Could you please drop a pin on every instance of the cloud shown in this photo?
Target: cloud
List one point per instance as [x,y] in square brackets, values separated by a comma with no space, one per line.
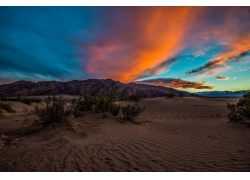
[175,83]
[234,78]
[122,43]
[221,62]
[138,39]
[158,68]
[221,78]
[30,46]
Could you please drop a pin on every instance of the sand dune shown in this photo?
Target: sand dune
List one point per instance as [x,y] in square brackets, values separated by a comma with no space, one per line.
[177,134]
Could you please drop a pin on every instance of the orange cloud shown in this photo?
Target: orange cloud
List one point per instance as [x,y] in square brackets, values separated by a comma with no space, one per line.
[237,49]
[147,37]
[139,40]
[232,30]
[175,83]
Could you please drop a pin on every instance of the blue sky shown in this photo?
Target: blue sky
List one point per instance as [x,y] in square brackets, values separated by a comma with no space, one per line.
[188,48]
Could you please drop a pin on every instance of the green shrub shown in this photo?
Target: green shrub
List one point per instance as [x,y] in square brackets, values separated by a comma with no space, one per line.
[54,111]
[7,107]
[240,112]
[130,112]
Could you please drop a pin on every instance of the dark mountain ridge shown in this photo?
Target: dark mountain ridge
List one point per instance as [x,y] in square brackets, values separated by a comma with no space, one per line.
[223,93]
[89,86]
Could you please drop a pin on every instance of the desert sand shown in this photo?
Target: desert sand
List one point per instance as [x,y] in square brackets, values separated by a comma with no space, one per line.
[177,134]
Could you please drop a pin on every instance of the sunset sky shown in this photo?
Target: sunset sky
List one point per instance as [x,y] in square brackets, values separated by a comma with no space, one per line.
[189,48]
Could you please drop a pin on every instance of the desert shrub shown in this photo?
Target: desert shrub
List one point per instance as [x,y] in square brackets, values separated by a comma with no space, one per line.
[28,101]
[123,99]
[9,99]
[134,97]
[103,103]
[76,105]
[240,112]
[7,107]
[1,114]
[181,94]
[115,109]
[55,110]
[170,95]
[130,112]
[24,100]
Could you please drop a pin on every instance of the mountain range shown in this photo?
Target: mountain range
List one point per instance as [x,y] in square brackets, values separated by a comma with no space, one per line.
[223,93]
[89,86]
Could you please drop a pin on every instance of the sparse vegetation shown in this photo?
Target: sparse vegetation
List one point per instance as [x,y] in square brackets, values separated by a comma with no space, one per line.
[7,107]
[240,112]
[54,111]
[104,103]
[1,114]
[134,97]
[24,100]
[115,109]
[123,99]
[130,112]
[170,95]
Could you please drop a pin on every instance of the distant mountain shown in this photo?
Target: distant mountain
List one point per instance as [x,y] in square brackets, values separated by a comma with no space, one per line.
[223,93]
[89,86]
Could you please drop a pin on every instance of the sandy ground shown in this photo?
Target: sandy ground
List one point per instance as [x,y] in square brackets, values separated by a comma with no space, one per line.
[177,134]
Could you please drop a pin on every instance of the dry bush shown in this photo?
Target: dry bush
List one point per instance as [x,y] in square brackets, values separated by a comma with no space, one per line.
[7,107]
[55,110]
[240,112]
[28,101]
[134,97]
[103,103]
[24,100]
[1,114]
[170,95]
[115,109]
[130,112]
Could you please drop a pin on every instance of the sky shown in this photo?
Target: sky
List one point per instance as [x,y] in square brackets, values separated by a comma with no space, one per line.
[188,48]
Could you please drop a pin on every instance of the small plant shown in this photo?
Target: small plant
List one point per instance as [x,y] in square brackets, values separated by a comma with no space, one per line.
[134,97]
[130,112]
[240,112]
[1,114]
[54,111]
[103,103]
[170,95]
[7,107]
[123,99]
[115,109]
[24,100]
[28,101]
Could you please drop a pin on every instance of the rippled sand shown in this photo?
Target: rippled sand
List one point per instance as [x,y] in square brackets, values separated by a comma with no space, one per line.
[178,134]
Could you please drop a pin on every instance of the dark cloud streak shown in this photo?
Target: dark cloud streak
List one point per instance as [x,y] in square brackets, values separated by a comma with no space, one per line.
[218,63]
[175,83]
[221,78]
